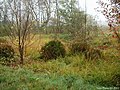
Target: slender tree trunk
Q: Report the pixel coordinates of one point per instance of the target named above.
(21, 56)
(21, 53)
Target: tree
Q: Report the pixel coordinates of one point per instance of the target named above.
(69, 18)
(111, 11)
(72, 18)
(22, 21)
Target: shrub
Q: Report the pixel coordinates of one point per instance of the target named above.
(93, 53)
(6, 51)
(52, 50)
(89, 53)
(79, 47)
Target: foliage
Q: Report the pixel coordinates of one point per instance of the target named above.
(65, 37)
(23, 23)
(111, 11)
(93, 53)
(6, 51)
(116, 80)
(73, 72)
(77, 47)
(2, 40)
(86, 49)
(61, 75)
(74, 19)
(2, 30)
(52, 50)
(103, 73)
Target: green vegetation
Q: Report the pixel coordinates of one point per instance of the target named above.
(78, 47)
(62, 74)
(52, 50)
(25, 79)
(54, 45)
(2, 40)
(6, 51)
(84, 48)
(74, 71)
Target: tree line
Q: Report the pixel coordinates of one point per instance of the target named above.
(21, 20)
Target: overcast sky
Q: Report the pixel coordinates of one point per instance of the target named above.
(91, 5)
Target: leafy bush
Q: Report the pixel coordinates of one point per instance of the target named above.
(6, 51)
(52, 50)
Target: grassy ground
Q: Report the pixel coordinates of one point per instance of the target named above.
(73, 72)
(69, 73)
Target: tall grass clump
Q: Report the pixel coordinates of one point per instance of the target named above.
(77, 47)
(84, 48)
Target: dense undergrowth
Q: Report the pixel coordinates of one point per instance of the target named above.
(73, 72)
(69, 73)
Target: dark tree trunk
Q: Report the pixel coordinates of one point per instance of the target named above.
(21, 52)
